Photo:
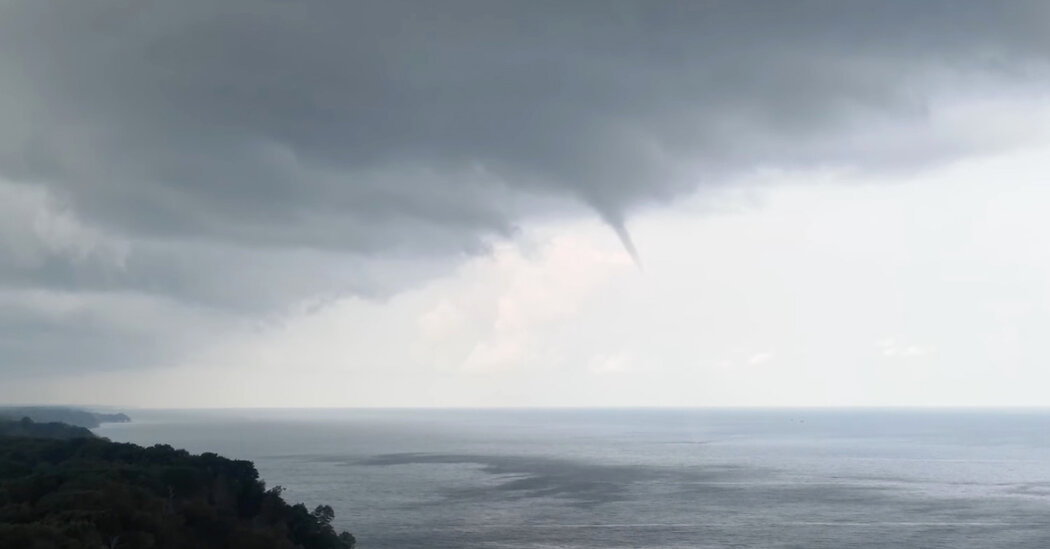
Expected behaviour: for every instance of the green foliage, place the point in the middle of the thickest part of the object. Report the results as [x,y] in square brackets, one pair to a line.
[324,514]
[90,493]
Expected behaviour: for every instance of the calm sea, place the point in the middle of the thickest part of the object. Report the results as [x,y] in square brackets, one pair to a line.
[510,479]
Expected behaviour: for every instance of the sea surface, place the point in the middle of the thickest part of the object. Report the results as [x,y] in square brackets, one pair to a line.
[515,479]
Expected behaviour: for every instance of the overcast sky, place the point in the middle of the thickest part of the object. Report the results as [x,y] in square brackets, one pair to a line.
[478,203]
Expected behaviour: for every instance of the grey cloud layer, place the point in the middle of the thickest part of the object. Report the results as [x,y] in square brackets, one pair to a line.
[335,123]
[228,137]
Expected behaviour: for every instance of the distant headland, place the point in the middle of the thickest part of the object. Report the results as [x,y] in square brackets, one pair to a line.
[61,414]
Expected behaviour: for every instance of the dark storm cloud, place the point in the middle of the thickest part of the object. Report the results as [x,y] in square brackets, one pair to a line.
[323,123]
[47,333]
[248,153]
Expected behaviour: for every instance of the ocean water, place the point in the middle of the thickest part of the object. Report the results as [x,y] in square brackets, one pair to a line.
[515,479]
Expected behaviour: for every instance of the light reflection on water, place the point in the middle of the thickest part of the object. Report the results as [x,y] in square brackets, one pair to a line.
[645,478]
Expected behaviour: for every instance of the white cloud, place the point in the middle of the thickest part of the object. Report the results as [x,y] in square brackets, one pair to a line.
[611,364]
[504,304]
[760,358]
[890,347]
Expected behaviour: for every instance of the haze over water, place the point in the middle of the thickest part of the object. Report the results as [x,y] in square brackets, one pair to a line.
[518,479]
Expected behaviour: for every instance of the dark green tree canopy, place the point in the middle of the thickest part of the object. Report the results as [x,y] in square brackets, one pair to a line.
[90,493]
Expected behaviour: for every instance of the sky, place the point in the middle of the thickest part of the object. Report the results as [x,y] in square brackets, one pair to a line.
[632,203]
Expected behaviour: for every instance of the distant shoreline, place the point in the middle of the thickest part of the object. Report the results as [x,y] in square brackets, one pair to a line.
[74,416]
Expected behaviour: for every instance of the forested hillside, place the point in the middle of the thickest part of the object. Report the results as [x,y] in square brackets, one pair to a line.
[90,493]
[26,427]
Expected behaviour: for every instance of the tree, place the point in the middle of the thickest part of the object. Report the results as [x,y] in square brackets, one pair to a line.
[348,540]
[324,514]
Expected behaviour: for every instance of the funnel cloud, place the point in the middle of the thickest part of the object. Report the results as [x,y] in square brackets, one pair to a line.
[199,164]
